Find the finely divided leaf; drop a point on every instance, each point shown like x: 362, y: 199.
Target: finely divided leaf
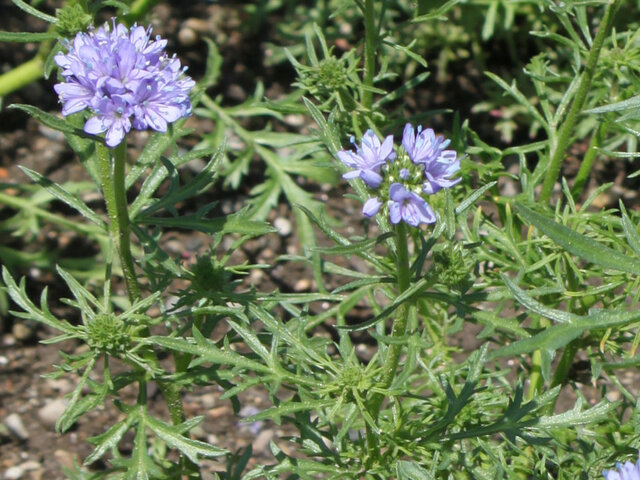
x: 580, y: 245
x: 174, y: 438
x: 65, y: 196
x: 49, y: 120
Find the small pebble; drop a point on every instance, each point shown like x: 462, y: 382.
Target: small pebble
x: 295, y: 120
x: 208, y: 401
x: 13, y: 473
x: 50, y: 413
x: 51, y: 133
x: 64, y: 458
x: 283, y: 225
x: 188, y: 37
x: 198, y: 432
x: 23, y: 332
x: 219, y: 412
x: 302, y: 285
x: 14, y: 423
x: 196, y: 24
x: 18, y: 471
x: 613, y: 395
x: 255, y: 276
x: 262, y: 441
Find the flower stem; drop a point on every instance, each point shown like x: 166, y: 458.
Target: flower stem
x: 559, y: 147
x: 392, y: 359
x: 400, y: 323
x: 22, y: 75
x: 112, y: 166
x: 370, y: 47
x: 536, y: 381
x: 587, y: 161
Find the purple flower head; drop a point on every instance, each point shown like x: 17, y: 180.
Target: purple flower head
x: 423, y: 147
x: 427, y: 149
x: 628, y: 471
x: 125, y: 78
x: 408, y: 207
x: 423, y: 166
x: 438, y: 173
x: 368, y: 158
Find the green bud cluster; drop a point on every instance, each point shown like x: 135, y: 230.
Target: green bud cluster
x: 209, y: 275
x: 352, y: 379
x: 330, y: 80
x: 451, y: 266
x: 330, y: 74
x: 107, y: 333
x: 72, y: 19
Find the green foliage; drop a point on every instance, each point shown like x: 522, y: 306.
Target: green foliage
x: 72, y: 18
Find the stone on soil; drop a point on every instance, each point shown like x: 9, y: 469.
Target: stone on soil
x: 50, y: 413
x: 14, y: 423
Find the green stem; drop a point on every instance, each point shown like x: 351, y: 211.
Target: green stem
x: 562, y: 369
x: 559, y: 148
x: 566, y: 360
x: 112, y: 168
x: 370, y: 47
x: 21, y: 76
x: 142, y: 393
x: 587, y: 161
x: 535, y: 376
x: 400, y: 323
x: 394, y: 350
x: 112, y: 163
x: 536, y: 381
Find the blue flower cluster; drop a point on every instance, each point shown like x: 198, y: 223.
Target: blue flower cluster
x: 400, y: 179
x: 125, y: 78
x: 628, y: 471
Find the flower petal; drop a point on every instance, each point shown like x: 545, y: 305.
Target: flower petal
x: 371, y: 207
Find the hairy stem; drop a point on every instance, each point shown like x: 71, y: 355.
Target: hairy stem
x: 392, y: 359
x: 112, y: 168
x: 587, y: 161
x: 558, y: 150
x: 112, y: 164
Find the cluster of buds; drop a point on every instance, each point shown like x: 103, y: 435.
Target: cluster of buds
x: 400, y: 179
